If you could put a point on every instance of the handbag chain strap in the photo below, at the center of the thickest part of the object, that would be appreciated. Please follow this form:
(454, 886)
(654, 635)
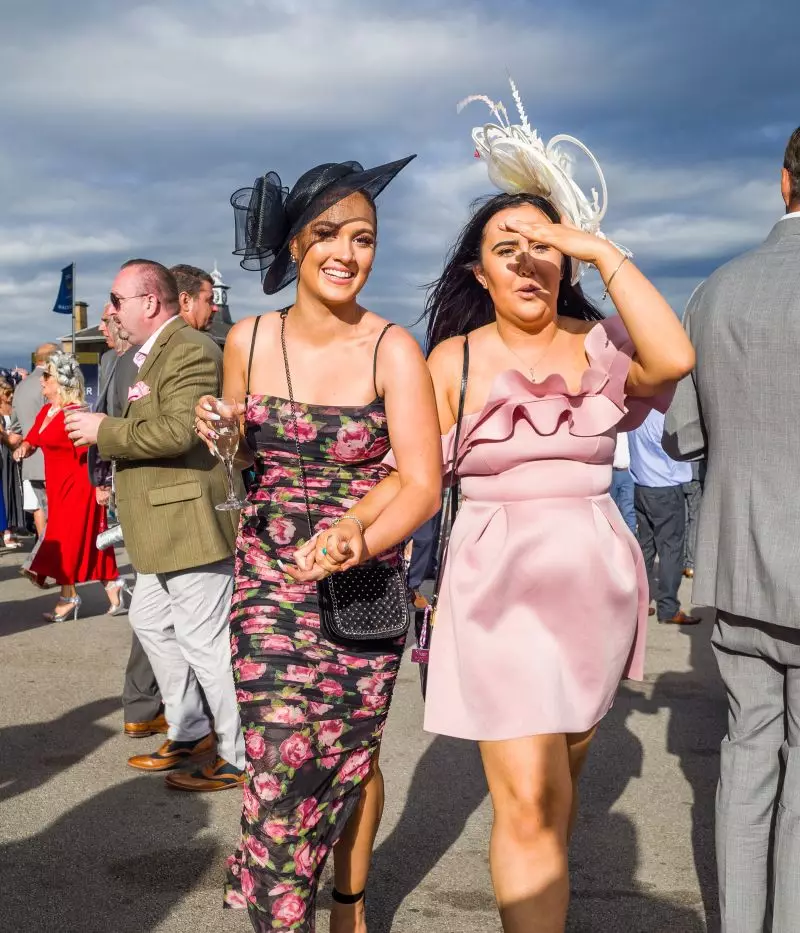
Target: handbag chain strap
(293, 410)
(450, 504)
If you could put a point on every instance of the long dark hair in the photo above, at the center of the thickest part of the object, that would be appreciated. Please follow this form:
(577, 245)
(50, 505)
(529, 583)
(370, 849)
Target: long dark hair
(456, 303)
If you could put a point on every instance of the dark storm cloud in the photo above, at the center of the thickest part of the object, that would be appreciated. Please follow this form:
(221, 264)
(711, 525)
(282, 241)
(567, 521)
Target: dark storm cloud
(127, 126)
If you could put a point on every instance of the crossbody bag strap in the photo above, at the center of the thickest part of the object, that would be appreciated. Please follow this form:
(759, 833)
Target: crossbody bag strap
(450, 503)
(293, 410)
(252, 350)
(375, 358)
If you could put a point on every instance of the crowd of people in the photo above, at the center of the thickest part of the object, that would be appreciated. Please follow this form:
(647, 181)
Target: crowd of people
(267, 644)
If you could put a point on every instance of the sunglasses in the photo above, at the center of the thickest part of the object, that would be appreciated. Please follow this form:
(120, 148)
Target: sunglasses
(116, 300)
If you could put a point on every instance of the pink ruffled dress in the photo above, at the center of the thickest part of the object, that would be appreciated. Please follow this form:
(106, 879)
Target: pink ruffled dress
(544, 598)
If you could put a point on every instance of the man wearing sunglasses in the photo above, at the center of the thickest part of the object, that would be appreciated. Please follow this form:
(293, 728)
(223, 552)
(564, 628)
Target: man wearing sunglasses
(179, 544)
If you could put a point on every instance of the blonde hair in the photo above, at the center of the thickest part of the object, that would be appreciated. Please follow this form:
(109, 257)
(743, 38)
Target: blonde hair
(63, 367)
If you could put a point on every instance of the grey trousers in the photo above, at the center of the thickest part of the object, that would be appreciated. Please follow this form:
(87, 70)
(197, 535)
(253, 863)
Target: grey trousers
(758, 799)
(661, 528)
(181, 620)
(141, 698)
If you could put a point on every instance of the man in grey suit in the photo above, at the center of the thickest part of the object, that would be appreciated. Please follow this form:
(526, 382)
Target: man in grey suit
(740, 409)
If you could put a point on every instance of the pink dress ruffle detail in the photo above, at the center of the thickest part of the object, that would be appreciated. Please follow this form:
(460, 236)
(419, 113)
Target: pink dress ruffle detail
(544, 598)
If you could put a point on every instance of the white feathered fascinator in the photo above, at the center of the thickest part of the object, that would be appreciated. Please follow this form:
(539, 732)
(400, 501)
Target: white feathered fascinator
(520, 162)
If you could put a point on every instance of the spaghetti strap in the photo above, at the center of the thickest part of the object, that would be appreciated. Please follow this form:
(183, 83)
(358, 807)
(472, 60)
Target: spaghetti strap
(375, 358)
(252, 348)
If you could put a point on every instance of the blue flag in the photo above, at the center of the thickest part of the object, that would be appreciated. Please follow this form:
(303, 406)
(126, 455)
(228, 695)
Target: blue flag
(65, 301)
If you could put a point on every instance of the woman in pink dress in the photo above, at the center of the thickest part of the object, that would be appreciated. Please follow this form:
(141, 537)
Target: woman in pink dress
(543, 603)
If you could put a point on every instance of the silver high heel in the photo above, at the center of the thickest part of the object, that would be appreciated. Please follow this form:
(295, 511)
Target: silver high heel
(121, 585)
(73, 601)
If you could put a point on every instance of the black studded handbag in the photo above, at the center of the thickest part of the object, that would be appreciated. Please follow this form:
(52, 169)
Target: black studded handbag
(367, 603)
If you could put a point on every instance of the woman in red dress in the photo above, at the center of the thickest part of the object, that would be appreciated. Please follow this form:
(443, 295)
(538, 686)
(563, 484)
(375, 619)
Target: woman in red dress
(68, 552)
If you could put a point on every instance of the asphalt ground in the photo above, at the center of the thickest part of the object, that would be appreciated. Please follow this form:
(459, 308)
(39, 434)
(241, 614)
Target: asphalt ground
(88, 845)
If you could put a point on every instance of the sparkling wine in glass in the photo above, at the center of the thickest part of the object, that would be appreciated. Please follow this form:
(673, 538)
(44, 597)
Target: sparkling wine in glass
(225, 447)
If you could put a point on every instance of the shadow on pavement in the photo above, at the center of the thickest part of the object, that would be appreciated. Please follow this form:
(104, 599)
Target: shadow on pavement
(32, 754)
(23, 615)
(117, 863)
(9, 570)
(447, 787)
(604, 854)
(698, 722)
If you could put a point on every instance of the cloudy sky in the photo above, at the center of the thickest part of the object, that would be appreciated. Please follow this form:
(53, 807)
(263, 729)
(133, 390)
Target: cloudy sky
(126, 126)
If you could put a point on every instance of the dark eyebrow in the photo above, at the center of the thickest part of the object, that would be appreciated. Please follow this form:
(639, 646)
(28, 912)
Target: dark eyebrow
(329, 225)
(506, 243)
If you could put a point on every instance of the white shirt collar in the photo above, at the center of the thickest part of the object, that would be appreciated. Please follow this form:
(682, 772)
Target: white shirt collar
(141, 354)
(790, 216)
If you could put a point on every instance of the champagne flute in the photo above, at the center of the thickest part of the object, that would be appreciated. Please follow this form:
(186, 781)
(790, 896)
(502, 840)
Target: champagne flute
(226, 445)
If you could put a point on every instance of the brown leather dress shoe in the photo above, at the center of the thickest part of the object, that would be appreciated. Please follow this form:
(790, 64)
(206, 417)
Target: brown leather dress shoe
(680, 618)
(651, 611)
(688, 573)
(140, 730)
(174, 754)
(221, 775)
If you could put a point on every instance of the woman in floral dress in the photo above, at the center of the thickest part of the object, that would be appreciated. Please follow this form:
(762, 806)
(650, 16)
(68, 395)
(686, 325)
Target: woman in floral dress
(313, 710)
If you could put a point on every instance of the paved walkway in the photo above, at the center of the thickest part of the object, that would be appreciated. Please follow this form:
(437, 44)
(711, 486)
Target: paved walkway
(89, 846)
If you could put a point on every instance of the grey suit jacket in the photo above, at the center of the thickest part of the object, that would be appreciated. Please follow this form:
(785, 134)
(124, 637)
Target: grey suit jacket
(108, 365)
(117, 375)
(126, 374)
(28, 402)
(741, 409)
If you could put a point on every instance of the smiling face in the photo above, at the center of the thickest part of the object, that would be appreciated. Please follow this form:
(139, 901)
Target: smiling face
(522, 278)
(336, 250)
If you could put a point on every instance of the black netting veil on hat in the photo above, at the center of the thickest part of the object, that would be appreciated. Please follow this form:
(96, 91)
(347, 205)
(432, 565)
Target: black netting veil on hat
(268, 216)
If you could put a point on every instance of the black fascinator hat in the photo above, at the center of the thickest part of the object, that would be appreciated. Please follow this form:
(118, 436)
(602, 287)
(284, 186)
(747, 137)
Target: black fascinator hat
(268, 216)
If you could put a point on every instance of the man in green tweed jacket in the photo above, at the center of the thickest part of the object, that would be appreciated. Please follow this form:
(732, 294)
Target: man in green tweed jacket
(166, 487)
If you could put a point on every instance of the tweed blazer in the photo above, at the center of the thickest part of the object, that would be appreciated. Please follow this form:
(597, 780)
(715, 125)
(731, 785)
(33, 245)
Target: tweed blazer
(740, 409)
(167, 482)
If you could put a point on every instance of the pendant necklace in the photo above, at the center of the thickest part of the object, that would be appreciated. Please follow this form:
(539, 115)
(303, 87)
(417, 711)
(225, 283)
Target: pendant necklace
(527, 365)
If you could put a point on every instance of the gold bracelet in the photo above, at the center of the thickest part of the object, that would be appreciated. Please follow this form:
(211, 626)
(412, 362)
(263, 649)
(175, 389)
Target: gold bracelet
(608, 284)
(352, 518)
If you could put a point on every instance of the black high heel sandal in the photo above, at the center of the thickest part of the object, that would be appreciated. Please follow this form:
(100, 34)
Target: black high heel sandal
(347, 898)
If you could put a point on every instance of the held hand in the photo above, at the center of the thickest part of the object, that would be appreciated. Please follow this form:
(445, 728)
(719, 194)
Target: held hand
(343, 546)
(23, 451)
(103, 495)
(567, 239)
(331, 551)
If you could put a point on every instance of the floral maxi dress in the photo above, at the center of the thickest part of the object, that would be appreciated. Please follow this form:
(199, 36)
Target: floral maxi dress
(313, 711)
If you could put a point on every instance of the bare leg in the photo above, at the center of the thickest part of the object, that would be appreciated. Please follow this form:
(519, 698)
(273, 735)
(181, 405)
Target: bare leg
(353, 852)
(531, 787)
(67, 592)
(577, 748)
(39, 521)
(112, 592)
